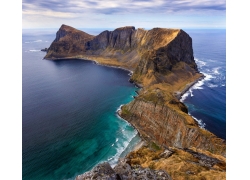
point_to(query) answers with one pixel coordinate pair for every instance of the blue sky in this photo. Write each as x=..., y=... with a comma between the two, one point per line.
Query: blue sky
x=117, y=13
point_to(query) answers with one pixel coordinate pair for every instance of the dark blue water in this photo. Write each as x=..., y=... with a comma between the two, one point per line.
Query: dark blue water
x=206, y=100
x=69, y=120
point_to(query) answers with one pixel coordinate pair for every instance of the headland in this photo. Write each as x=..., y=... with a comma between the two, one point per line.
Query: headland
x=163, y=67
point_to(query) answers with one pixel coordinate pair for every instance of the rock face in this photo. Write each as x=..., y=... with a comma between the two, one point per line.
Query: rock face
x=163, y=67
x=167, y=127
x=123, y=171
x=158, y=49
x=45, y=49
x=68, y=41
x=101, y=171
x=155, y=163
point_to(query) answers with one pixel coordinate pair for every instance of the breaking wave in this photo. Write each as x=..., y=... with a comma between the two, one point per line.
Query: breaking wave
x=39, y=40
x=200, y=122
x=34, y=50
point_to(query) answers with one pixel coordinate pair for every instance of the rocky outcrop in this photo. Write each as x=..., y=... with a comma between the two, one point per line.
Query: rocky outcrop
x=101, y=171
x=152, y=162
x=69, y=41
x=45, y=49
x=179, y=163
x=123, y=171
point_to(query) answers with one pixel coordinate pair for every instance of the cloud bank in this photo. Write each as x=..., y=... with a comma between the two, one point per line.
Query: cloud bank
x=74, y=9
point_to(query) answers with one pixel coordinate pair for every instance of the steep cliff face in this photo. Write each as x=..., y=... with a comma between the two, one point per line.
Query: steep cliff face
x=158, y=49
x=69, y=41
x=119, y=39
x=167, y=59
x=169, y=127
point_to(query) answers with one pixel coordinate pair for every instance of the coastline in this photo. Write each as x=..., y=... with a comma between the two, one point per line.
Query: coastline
x=142, y=141
x=178, y=95
x=95, y=61
x=101, y=64
x=141, y=144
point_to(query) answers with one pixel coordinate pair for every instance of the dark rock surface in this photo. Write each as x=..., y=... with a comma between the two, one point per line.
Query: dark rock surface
x=204, y=160
x=123, y=171
x=45, y=49
x=101, y=171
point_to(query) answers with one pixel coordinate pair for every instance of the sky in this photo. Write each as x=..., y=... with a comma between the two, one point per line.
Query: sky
x=117, y=13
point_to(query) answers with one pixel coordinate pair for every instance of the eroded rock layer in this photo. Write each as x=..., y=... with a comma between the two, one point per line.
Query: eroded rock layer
x=167, y=127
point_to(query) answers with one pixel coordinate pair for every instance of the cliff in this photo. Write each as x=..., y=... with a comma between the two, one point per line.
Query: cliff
x=126, y=45
x=163, y=124
x=163, y=66
x=68, y=41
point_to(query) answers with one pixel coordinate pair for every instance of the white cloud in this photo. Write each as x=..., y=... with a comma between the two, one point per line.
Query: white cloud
x=110, y=10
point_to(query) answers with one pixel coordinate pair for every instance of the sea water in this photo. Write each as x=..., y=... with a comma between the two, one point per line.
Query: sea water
x=69, y=119
x=206, y=100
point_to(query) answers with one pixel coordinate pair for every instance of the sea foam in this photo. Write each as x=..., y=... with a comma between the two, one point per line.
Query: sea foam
x=38, y=40
x=34, y=50
x=200, y=122
x=215, y=70
x=200, y=63
x=121, y=145
x=119, y=108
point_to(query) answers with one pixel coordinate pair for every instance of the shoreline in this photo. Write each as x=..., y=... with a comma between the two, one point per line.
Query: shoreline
x=142, y=141
x=201, y=124
x=101, y=64
x=190, y=85
x=178, y=95
x=140, y=144
x=95, y=61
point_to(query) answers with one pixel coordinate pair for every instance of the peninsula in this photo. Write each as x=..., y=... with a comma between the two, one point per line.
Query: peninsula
x=163, y=66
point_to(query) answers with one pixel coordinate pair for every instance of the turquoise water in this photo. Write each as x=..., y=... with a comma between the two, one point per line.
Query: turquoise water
x=69, y=119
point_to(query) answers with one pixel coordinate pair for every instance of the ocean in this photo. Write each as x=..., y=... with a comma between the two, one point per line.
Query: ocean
x=69, y=119
x=206, y=100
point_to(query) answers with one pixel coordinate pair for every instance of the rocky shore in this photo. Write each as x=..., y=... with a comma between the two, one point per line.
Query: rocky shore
x=163, y=66
x=179, y=94
x=123, y=171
